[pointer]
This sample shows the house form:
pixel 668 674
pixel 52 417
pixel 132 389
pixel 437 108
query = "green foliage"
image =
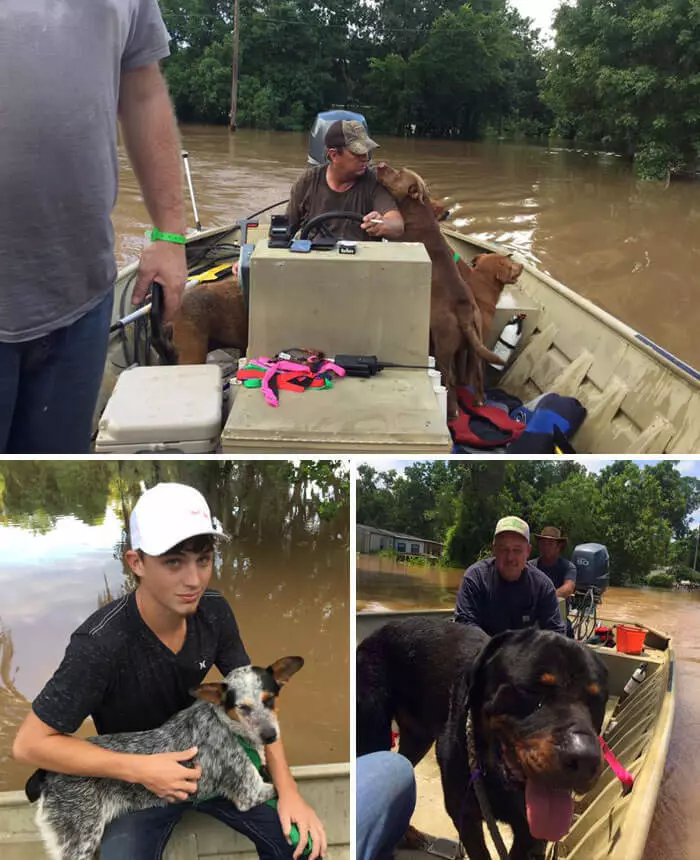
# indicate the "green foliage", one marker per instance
pixel 447 68
pixel 660 580
pixel 682 571
pixel 625 74
pixel 642 515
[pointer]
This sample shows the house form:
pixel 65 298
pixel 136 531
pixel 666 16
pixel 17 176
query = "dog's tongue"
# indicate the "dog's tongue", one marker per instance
pixel 549 812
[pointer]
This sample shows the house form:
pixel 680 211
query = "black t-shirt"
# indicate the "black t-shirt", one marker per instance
pixel 488 601
pixel 116 670
pixel 311 195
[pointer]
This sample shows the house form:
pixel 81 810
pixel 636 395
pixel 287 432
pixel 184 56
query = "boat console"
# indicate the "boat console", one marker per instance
pixel 373 301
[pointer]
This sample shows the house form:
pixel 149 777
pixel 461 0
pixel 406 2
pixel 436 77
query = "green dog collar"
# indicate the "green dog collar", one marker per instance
pixel 294 834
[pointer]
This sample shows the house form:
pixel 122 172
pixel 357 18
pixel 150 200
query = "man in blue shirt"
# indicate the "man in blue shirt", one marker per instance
pixel 560 570
pixel 506 591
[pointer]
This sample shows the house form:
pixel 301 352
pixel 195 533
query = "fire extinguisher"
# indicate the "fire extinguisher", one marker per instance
pixel 508 339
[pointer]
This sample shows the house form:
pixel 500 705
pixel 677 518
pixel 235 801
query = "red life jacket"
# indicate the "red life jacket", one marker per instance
pixel 482 426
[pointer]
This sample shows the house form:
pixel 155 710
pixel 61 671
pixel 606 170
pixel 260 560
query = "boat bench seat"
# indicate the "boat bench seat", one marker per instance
pixel 610 706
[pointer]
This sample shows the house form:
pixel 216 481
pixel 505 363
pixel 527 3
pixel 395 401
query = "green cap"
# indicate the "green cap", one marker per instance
pixel 513 524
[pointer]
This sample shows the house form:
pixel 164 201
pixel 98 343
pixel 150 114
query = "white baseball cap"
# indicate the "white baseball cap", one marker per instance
pixel 513 524
pixel 167 514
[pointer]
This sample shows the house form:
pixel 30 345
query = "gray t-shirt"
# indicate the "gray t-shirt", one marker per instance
pixel 60 68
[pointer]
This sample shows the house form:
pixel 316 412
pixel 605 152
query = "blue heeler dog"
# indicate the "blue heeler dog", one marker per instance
pixel 73 811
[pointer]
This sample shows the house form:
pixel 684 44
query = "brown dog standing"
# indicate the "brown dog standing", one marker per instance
pixel 453 313
pixel 484 280
pixel 210 312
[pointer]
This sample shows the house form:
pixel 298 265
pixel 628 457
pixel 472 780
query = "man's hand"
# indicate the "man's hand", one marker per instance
pixel 387 226
pixel 292 808
pixel 373 224
pixel 163 262
pixel 162 774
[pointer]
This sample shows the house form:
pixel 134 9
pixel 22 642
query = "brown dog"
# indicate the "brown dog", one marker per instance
pixel 454 314
pixel 484 280
pixel 210 313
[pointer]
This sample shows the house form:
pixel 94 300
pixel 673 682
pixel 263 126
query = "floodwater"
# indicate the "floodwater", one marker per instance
pixel 675 831
pixel 633 248
pixel 285 574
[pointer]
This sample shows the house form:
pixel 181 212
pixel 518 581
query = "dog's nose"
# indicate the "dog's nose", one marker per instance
pixel 580 756
pixel 269 736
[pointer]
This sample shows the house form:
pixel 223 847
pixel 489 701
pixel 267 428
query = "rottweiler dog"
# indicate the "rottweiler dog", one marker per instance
pixel 404 672
pixel 535 702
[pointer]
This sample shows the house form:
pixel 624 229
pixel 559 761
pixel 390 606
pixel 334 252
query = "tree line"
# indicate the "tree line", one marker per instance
pixel 622 74
pixel 642 514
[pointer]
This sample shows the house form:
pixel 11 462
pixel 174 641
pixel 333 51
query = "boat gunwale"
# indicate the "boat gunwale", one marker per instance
pixel 652 350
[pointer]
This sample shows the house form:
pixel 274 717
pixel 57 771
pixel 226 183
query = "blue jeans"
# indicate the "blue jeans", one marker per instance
pixel 386 798
pixel 143 835
pixel 49 386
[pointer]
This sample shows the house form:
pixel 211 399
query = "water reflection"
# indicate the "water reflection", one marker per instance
pixel 63 531
pixel 675 832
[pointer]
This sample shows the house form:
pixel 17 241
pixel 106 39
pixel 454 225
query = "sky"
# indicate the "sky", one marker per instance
pixel 541 11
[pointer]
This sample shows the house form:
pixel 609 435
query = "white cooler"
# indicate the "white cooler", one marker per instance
pixel 174 409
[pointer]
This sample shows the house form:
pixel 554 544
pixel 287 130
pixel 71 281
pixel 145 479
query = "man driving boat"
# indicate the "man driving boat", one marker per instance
pixel 346 184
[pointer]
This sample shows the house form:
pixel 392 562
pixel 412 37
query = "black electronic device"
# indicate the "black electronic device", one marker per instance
pixel 280 234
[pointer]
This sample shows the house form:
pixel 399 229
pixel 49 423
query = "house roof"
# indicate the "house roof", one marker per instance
pixel 397 534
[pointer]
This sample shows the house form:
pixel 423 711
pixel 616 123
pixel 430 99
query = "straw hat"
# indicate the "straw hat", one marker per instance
pixel 552 533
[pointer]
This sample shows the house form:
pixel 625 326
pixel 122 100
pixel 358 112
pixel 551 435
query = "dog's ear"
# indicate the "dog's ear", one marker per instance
pixel 215 693
pixel 488 655
pixel 283 669
pixel 439 211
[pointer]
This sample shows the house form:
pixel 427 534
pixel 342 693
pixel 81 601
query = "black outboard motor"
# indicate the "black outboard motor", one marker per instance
pixel 592 563
pixel 322 123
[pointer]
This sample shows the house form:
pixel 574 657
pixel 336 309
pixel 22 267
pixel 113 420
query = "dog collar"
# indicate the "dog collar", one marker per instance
pixel 476 779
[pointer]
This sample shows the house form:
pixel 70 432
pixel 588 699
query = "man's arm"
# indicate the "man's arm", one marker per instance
pixel 548 614
pixel 296 196
pixel 468 602
pixel 390 224
pixel 292 807
pixel 568 587
pixel 153 144
pixel 40 745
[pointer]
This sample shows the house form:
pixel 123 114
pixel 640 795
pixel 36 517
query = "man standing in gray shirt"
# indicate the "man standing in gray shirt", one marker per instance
pixel 69 70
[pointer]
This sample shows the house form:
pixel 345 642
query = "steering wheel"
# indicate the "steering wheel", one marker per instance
pixel 318 222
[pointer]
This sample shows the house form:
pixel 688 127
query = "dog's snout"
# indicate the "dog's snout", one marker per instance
pixel 268 736
pixel 580 756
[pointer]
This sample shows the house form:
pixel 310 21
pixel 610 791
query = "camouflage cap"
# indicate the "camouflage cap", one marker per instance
pixel 351 134
pixel 513 524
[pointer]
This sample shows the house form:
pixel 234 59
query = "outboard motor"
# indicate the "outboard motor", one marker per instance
pixel 322 123
pixel 592 563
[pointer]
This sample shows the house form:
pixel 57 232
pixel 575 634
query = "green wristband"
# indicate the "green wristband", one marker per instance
pixel 176 238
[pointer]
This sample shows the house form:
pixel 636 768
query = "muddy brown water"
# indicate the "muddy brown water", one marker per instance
pixel 290 598
pixel 675 831
pixel 632 248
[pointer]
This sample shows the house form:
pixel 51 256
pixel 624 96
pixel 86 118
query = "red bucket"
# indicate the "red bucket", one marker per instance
pixel 630 640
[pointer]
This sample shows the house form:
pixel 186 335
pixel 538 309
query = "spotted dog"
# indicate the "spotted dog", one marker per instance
pixel 73 811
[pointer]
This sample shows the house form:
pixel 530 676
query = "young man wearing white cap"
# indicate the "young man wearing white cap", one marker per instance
pixel 506 591
pixel 131 665
pixel 346 184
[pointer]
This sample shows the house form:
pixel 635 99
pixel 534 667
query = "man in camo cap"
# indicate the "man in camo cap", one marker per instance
pixel 506 591
pixel 346 183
